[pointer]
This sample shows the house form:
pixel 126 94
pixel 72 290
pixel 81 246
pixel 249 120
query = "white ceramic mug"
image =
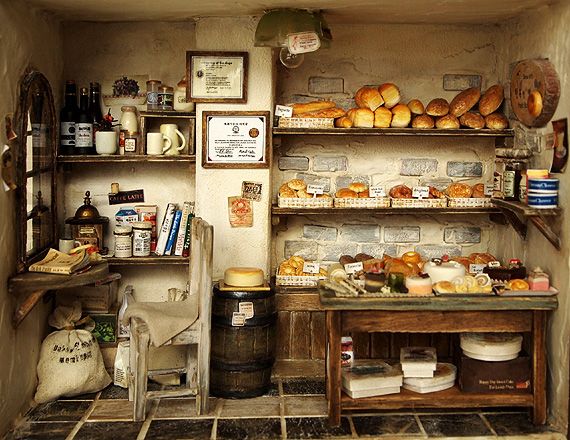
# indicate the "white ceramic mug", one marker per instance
pixel 66 244
pixel 176 136
pixel 106 142
pixel 157 143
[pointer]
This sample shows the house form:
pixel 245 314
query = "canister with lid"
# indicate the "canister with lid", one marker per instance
pixel 141 238
pixel 180 103
pixel 152 94
pixel 123 241
pixel 165 97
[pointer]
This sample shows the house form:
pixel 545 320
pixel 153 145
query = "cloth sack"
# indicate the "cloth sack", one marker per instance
pixel 70 359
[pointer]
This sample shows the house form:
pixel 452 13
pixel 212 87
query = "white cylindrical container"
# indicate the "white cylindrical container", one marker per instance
pixel 123 241
pixel 180 104
pixel 141 238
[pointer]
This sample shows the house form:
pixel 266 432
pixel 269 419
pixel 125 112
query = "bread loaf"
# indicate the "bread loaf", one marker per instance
pixel 390 94
pixel 459 190
pixel 297 184
pixel 364 194
pixel 478 191
pixel 464 101
pixel 357 187
pixel 437 107
pixel 423 121
pixel 345 193
pixel 416 107
pixel 472 120
pixel 496 121
pixel 343 122
pixel 313 106
pixel 401 192
pixel 382 117
pixel 368 97
pixel 448 122
pixel 491 100
pixel 361 117
pixel 333 112
pixel 401 116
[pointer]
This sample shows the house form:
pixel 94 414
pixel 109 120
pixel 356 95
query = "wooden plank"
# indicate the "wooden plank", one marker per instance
pixel 394 132
pixel 276 210
pixel 539 367
pixel 430 322
pixel 148 261
pixel 135 158
pixel 547 231
pixel 361 344
pixel 318 335
pixel 442 343
pixel 525 210
pixel 298 302
pixel 380 345
pixel 397 341
pixel 284 368
pixel 333 324
pixel 419 340
pixel 283 349
pixel 300 335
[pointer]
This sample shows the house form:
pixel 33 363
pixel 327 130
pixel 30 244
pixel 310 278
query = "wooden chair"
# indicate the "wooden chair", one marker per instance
pixel 196 337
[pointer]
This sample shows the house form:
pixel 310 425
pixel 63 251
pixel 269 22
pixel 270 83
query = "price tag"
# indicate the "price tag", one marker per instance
pixel 246 308
pixel 476 268
pixel 283 111
pixel 420 192
pixel 488 191
pixel 303 42
pixel 315 189
pixel 377 191
pixel 494 264
pixel 238 319
pixel 351 268
pixel 310 267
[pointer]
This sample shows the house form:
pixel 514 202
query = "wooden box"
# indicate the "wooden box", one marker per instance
pixel 94 299
pixel 151 121
pixel 106 325
pixel 512 376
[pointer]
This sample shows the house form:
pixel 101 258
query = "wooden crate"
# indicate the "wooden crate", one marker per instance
pixel 151 121
pixel 93 299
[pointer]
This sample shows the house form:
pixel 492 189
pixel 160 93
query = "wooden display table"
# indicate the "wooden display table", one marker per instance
pixel 437 315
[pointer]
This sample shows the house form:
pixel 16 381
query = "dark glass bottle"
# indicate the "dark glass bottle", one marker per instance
pixel 84 126
pixel 95 107
pixel 67 120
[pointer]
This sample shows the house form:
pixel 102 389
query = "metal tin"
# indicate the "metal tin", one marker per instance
pixel 165 98
pixel 142 232
pixel 123 241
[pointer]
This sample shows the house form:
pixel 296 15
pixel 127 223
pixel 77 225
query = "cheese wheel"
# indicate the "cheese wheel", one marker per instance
pixel 243 276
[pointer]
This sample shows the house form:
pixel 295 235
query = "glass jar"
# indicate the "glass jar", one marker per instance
pixel 512 179
pixel 142 232
pixel 152 94
pixel 129 135
pixel 165 97
pixel 123 241
pixel 180 104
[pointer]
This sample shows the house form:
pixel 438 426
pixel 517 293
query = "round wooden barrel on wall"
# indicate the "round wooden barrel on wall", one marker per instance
pixel 243 342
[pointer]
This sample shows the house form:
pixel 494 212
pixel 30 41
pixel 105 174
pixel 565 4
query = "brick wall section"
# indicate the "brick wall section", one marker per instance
pixel 418 167
pixel 319 85
pixel 313 179
pixel 330 163
pixel 344 181
pixel 296 163
pixel 319 233
pixel 464 169
pixel 402 234
pixel 360 233
pixel 429 251
pixel 462 235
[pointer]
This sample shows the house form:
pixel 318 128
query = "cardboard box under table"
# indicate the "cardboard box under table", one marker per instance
pixel 495 377
pixel 93 298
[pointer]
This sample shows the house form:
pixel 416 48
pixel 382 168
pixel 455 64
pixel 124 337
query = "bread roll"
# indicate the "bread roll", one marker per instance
pixel 390 94
pixel 447 122
pixel 303 194
pixel 343 122
pixel 358 187
pixel 437 107
pixel 297 184
pixel 423 121
pixel 464 101
pixel 478 191
pixel 472 120
pixel 496 121
pixel 459 190
pixel 412 257
pixel 416 107
pixel 491 100
pixel 287 193
pixel 364 194
pixel 345 193
pixel 382 117
pixel 435 193
pixel 299 109
pixel 534 103
pixel 401 116
pixel 361 117
pixel 368 97
pixel 401 192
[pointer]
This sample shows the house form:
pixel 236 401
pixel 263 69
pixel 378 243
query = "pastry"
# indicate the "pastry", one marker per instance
pixel 299 109
pixel 334 112
pixel 412 257
pixel 361 117
pixel 401 192
pixel 459 190
pixel 447 122
pixel 478 190
pixel 416 107
pixel 382 117
pixel 287 193
pixel 496 121
pixel 358 187
pixel 444 287
pixel 517 284
pixel 491 100
pixel 464 101
pixel 364 194
pixel 363 257
pixel 396 265
pixel 390 94
pixel 373 282
pixel 437 107
pixel 538 280
pixel 464 261
pixel 343 122
pixel 401 116
pixel 481 258
pixel 423 121
pixel 368 97
pixel 465 284
pixel 435 193
pixel 283 186
pixel 472 120
pixel 297 184
pixel 419 285
pixel 286 269
pixel 346 259
pixel 373 265
pixel 345 193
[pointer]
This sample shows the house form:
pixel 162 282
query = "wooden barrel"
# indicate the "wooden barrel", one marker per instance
pixel 242 350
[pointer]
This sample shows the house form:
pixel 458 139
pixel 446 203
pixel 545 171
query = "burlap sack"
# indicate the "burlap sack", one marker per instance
pixel 70 360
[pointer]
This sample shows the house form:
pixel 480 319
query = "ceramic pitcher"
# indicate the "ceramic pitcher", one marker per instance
pixel 178 140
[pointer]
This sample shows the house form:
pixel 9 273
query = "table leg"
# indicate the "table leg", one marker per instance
pixel 333 323
pixel 539 367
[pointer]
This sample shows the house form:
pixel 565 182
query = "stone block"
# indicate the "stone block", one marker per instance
pixel 330 163
pixel 344 181
pixel 297 163
pixel 464 169
pixel 332 252
pixel 429 251
pixel 462 234
pixel 320 85
pixel 313 179
pixel 306 249
pixel 360 233
pixel 402 234
pixel 379 249
pixel 418 167
pixel 319 233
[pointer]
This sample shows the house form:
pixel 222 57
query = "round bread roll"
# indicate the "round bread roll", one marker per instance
pixel 416 107
pixel 437 107
pixel 447 122
pixel 343 122
pixel 401 116
pixel 472 120
pixel 401 192
pixel 491 100
pixel 287 193
pixel 345 193
pixel 496 121
pixel 302 194
pixel 534 103
pixel 412 257
pixel 478 191
pixel 361 117
pixel 459 190
pixel 464 101
pixel 297 184
pixel 400 266
pixel 390 94
pixel 423 121
pixel 435 193
pixel 357 187
pixel 382 117
pixel 364 194
pixel 323 196
pixel 368 97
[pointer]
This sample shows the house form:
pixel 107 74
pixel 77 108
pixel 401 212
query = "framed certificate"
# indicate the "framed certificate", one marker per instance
pixel 216 76
pixel 236 139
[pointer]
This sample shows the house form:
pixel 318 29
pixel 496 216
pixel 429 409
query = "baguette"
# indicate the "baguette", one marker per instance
pixel 334 112
pixel 299 109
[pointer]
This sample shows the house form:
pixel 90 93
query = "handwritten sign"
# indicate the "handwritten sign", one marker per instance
pixel 476 268
pixel 246 308
pixel 251 190
pixel 315 189
pixel 303 42
pixel 420 192
pixel 122 197
pixel 377 191
pixel 351 268
pixel 488 191
pixel 311 267
pixel 283 111
pixel 238 319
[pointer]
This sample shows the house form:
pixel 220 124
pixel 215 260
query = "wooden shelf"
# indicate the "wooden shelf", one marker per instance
pixel 525 210
pixel 139 158
pixel 167 114
pixel 508 133
pixel 148 261
pixel 275 210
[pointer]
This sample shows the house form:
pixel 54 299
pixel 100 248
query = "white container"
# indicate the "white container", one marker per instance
pixel 142 232
pixel 180 104
pixel 106 142
pixel 123 241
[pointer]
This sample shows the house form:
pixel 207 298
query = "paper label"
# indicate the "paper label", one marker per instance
pixel 494 264
pixel 420 192
pixel 488 191
pixel 377 191
pixel 315 189
pixel 476 268
pixel 310 267
pixel 251 190
pixel 240 212
pixel 246 308
pixel 351 268
pixel 238 319
pixel 283 111
pixel 303 42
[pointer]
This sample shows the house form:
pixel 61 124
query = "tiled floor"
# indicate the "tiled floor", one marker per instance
pixel 293 409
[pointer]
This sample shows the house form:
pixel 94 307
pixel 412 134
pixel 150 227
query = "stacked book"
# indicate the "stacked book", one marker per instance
pixel 418 361
pixel 371 377
pixel 443 378
pixel 174 233
pixel 493 347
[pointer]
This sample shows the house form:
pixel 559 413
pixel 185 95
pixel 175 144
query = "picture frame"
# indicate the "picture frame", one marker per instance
pixel 236 139
pixel 216 76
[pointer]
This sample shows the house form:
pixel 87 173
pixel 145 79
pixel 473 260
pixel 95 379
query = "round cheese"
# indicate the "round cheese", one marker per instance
pixel 493 345
pixel 443 374
pixel 243 276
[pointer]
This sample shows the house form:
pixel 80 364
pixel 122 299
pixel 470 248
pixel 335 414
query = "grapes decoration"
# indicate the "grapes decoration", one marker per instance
pixel 125 87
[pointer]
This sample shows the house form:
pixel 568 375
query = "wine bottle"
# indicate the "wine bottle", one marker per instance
pixel 84 126
pixel 67 119
pixel 95 108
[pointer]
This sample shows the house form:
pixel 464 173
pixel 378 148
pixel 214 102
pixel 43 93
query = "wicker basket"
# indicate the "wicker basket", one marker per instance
pixel 472 202
pixel 306 122
pixel 295 280
pixel 322 202
pixel 419 203
pixel 369 202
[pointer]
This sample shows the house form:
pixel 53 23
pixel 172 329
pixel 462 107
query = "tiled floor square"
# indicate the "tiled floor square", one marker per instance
pixel 183 408
pixel 109 431
pixel 305 406
pixel 59 411
pixel 454 425
pixel 304 386
pixel 41 431
pixel 180 429
pixel 117 410
pixel 273 389
pixel 513 424
pixel 383 425
pixel 256 407
pixel 250 429
pixel 316 428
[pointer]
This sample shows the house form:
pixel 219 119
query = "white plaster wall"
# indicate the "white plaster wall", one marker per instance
pixel 27 37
